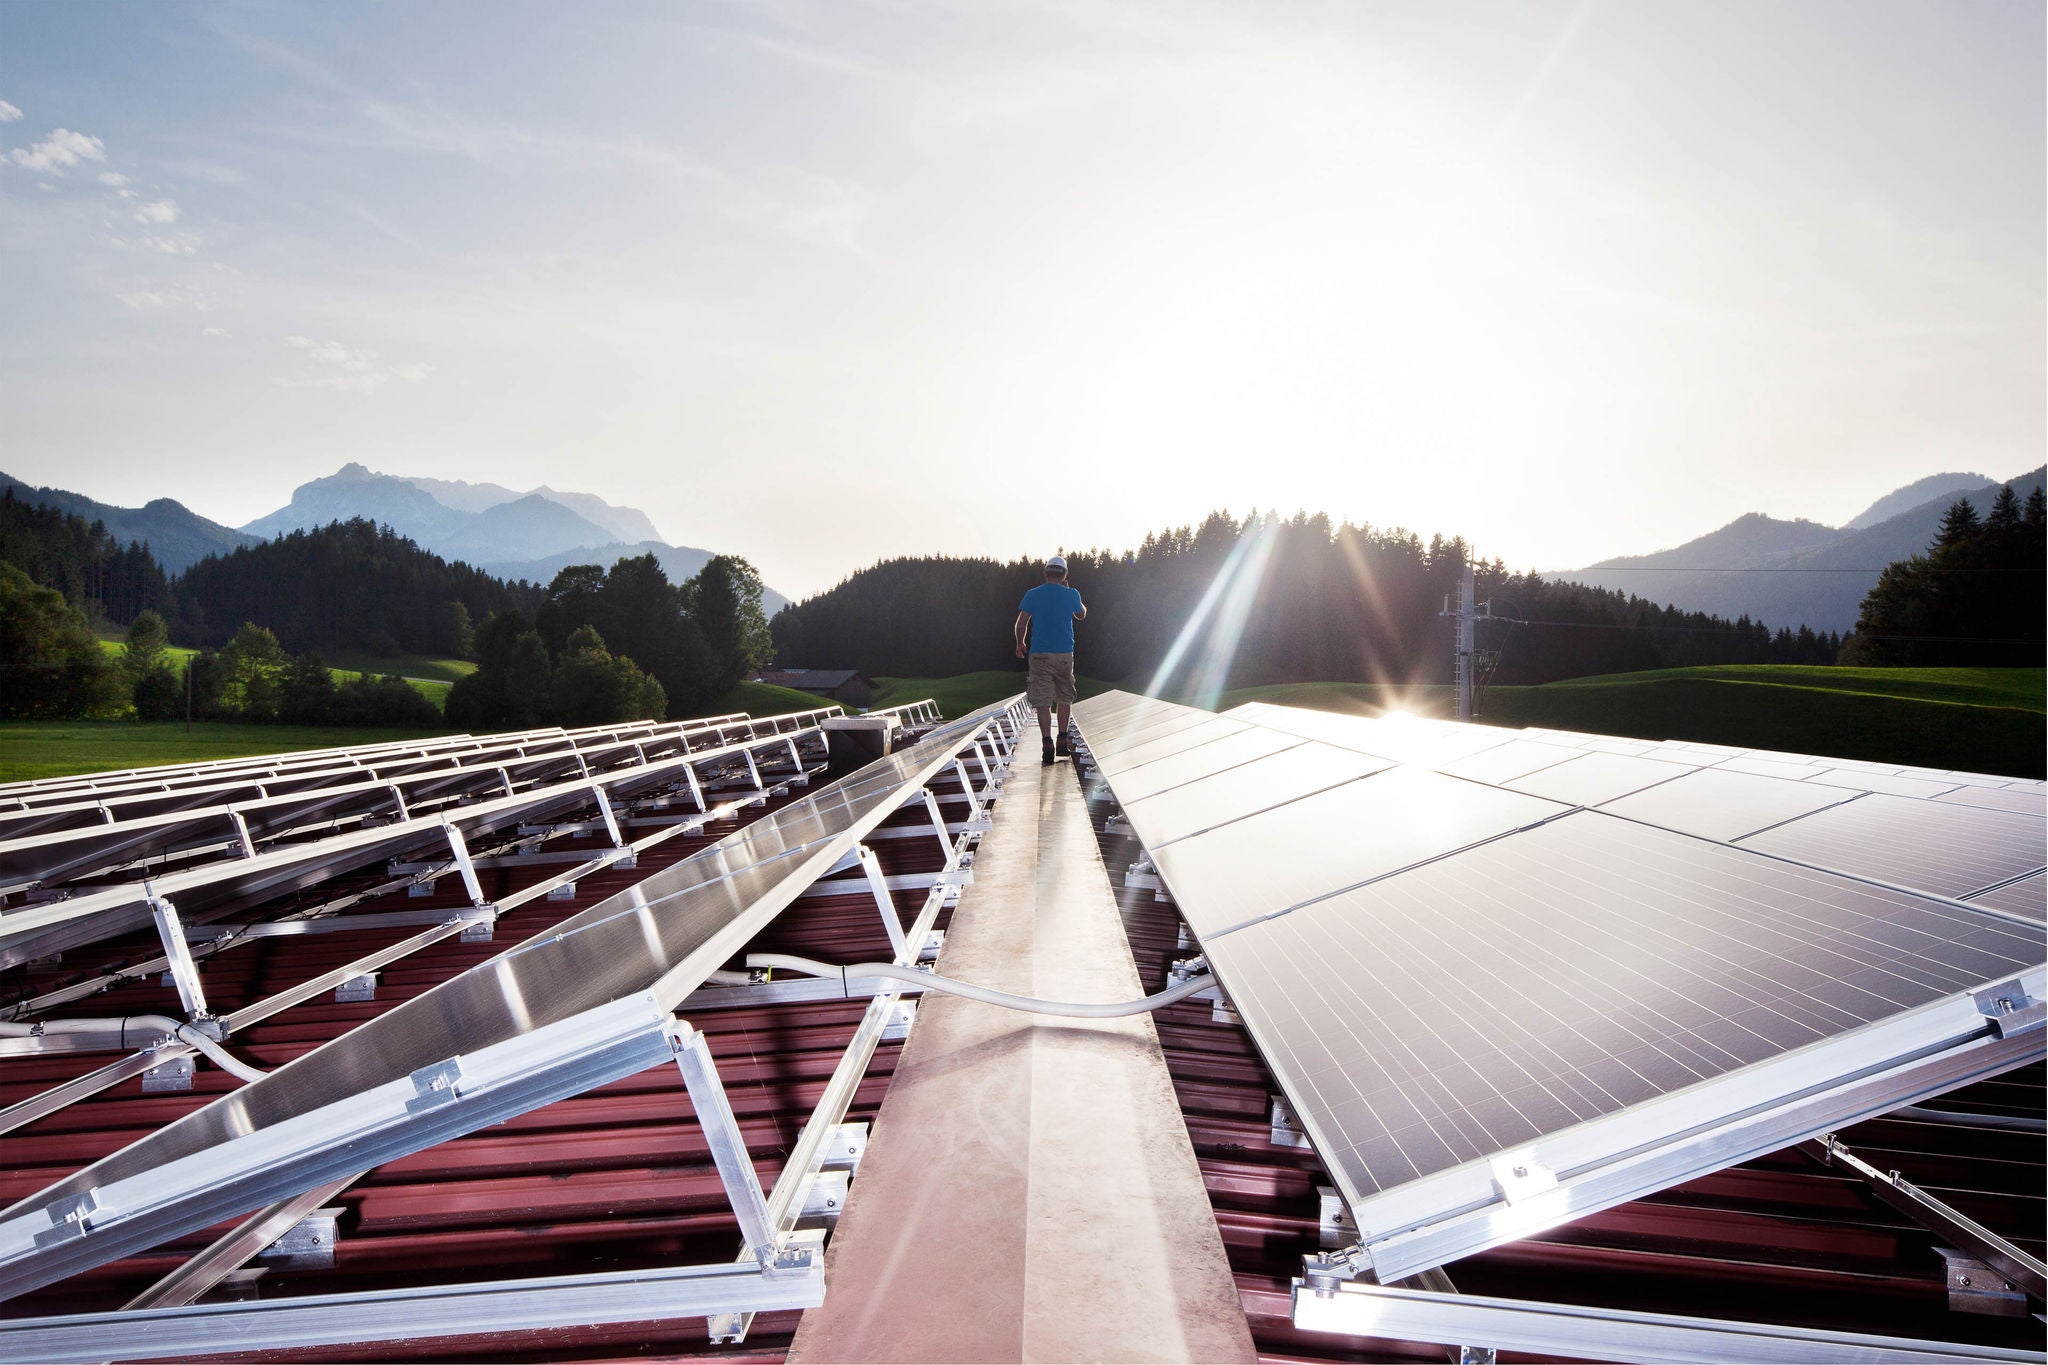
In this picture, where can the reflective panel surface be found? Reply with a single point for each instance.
(1451, 1012)
(1265, 863)
(2027, 896)
(1927, 845)
(1714, 803)
(1595, 777)
(1233, 793)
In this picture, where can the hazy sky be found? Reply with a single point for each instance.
(819, 283)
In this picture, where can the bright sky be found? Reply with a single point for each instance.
(820, 283)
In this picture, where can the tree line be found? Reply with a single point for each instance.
(1977, 597)
(1267, 600)
(674, 648)
(263, 617)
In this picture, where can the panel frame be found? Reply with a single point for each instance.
(1639, 1150)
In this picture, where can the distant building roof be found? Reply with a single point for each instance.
(809, 679)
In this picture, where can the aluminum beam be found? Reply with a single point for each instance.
(404, 1314)
(1603, 1334)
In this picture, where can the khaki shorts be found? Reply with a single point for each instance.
(1051, 680)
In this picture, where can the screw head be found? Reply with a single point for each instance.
(1521, 1172)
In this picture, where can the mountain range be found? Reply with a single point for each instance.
(177, 536)
(1792, 573)
(506, 533)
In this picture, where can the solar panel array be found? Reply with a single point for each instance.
(1452, 941)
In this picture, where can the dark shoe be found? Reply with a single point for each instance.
(1061, 748)
(1047, 754)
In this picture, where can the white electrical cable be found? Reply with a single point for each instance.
(1066, 1009)
(184, 1033)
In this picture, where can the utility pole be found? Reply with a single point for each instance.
(1461, 662)
(1465, 657)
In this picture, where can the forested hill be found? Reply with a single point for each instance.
(349, 585)
(1286, 601)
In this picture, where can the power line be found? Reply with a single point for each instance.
(1682, 568)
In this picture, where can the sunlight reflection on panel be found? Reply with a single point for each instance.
(1202, 653)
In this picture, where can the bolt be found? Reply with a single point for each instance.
(1521, 1172)
(2005, 1004)
(1963, 1280)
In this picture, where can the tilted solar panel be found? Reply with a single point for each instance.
(1163, 741)
(2020, 801)
(1926, 845)
(1202, 761)
(1494, 1012)
(1714, 803)
(1485, 1000)
(1595, 777)
(2027, 896)
(1232, 792)
(1291, 853)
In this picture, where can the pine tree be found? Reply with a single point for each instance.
(1958, 524)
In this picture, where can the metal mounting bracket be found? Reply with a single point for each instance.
(2011, 1011)
(184, 971)
(70, 1218)
(878, 886)
(728, 1149)
(1286, 1128)
(171, 1074)
(307, 1245)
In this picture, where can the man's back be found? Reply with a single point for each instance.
(1052, 607)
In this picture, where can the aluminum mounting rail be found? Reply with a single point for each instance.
(212, 889)
(1575, 1333)
(451, 923)
(573, 1008)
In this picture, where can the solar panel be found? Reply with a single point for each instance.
(1507, 761)
(2027, 896)
(2020, 801)
(1404, 738)
(1493, 1012)
(1193, 764)
(1596, 777)
(1947, 849)
(1230, 793)
(656, 941)
(1591, 965)
(1268, 862)
(1163, 741)
(1892, 784)
(1789, 767)
(1714, 803)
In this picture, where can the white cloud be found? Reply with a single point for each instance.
(8, 113)
(142, 298)
(331, 365)
(179, 244)
(158, 211)
(63, 148)
(114, 180)
(213, 331)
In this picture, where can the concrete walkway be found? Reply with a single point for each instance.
(1029, 1192)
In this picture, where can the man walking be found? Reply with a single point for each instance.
(1045, 619)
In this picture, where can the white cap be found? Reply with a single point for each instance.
(1056, 562)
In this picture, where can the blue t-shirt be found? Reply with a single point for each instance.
(1052, 607)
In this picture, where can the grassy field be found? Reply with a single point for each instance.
(30, 749)
(1983, 720)
(430, 677)
(1978, 719)
(966, 692)
(764, 699)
